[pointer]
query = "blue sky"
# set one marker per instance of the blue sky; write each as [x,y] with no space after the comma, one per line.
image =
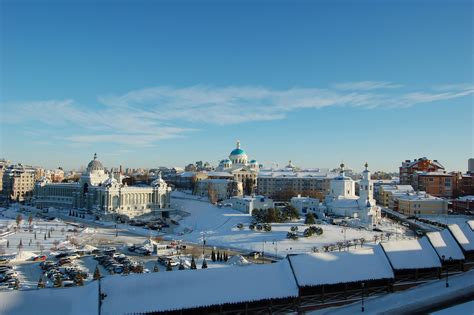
[149,83]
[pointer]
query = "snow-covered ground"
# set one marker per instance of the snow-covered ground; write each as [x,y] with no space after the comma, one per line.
[409,301]
[219,226]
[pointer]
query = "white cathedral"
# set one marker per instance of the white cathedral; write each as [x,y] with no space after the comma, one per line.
[239,166]
[104,195]
[343,201]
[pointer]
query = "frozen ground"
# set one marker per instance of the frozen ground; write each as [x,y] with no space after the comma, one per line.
[219,228]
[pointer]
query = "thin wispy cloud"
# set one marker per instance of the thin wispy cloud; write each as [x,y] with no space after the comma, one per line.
[143,117]
[366,85]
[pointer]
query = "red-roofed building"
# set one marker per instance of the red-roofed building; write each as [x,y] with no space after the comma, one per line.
[423,164]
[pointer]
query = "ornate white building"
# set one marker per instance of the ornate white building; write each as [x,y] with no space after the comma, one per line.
[241,168]
[343,201]
[104,195]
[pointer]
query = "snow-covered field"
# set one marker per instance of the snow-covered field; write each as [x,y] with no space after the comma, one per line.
[219,226]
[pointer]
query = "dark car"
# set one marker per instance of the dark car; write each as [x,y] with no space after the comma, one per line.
[62,255]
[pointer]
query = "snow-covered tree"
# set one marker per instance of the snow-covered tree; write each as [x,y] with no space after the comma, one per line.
[204,264]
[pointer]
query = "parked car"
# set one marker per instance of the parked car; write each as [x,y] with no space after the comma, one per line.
[61,255]
[40,258]
[64,261]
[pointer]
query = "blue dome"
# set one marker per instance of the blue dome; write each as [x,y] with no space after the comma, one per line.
[237,152]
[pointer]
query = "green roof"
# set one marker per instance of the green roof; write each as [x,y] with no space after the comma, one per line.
[237,152]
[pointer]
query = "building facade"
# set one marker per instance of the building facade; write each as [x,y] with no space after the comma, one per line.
[104,195]
[387,192]
[218,189]
[247,204]
[18,182]
[306,205]
[412,204]
[439,184]
[423,164]
[310,182]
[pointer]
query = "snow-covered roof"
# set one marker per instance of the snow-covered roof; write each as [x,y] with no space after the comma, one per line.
[220,174]
[463,235]
[315,269]
[344,202]
[186,289]
[419,196]
[445,244]
[67,301]
[290,173]
[411,254]
[471,224]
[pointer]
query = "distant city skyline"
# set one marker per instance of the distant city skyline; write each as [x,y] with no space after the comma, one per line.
[148,84]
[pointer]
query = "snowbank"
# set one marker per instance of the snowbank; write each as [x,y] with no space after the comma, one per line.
[185,289]
[411,254]
[339,267]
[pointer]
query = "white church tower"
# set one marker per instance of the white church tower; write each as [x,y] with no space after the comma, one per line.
[366,187]
[342,186]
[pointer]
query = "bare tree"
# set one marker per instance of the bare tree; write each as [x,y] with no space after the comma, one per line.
[212,193]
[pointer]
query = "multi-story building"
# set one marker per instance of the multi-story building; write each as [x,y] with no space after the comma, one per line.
[412,204]
[387,192]
[19,182]
[104,195]
[439,184]
[218,189]
[247,204]
[185,180]
[463,205]
[423,164]
[466,185]
[306,205]
[309,182]
[3,166]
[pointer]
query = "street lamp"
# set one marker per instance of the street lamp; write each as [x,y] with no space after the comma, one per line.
[450,259]
[363,288]
[203,243]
